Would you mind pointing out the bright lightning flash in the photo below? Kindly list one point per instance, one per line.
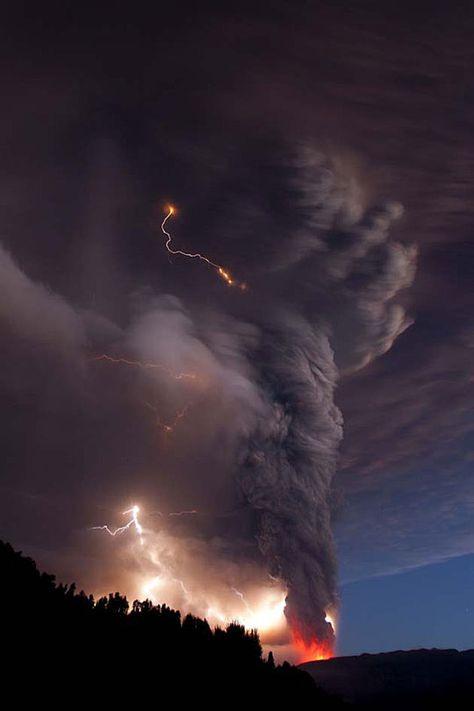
(331, 621)
(224, 274)
(267, 614)
(169, 582)
(135, 510)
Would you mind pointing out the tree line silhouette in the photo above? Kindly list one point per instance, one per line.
(56, 637)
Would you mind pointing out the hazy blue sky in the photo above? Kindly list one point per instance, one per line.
(432, 606)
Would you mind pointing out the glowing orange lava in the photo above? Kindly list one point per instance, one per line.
(313, 651)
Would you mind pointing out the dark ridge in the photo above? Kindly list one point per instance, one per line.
(416, 679)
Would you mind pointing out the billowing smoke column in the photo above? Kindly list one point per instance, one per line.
(248, 440)
(288, 472)
(343, 260)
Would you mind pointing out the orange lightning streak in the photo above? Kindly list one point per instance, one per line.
(224, 274)
(169, 426)
(166, 427)
(145, 365)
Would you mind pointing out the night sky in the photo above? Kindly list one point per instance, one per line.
(322, 152)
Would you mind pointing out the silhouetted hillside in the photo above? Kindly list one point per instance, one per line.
(63, 647)
(419, 679)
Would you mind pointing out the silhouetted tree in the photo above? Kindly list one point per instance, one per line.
(57, 635)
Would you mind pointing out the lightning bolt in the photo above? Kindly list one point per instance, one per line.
(135, 510)
(168, 427)
(223, 273)
(145, 365)
(242, 597)
(266, 614)
(186, 512)
(163, 579)
(331, 621)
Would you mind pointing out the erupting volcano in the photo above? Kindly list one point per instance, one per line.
(255, 455)
(271, 365)
(312, 651)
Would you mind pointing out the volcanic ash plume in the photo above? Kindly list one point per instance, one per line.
(288, 472)
(343, 268)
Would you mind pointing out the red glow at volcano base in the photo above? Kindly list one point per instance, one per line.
(312, 651)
